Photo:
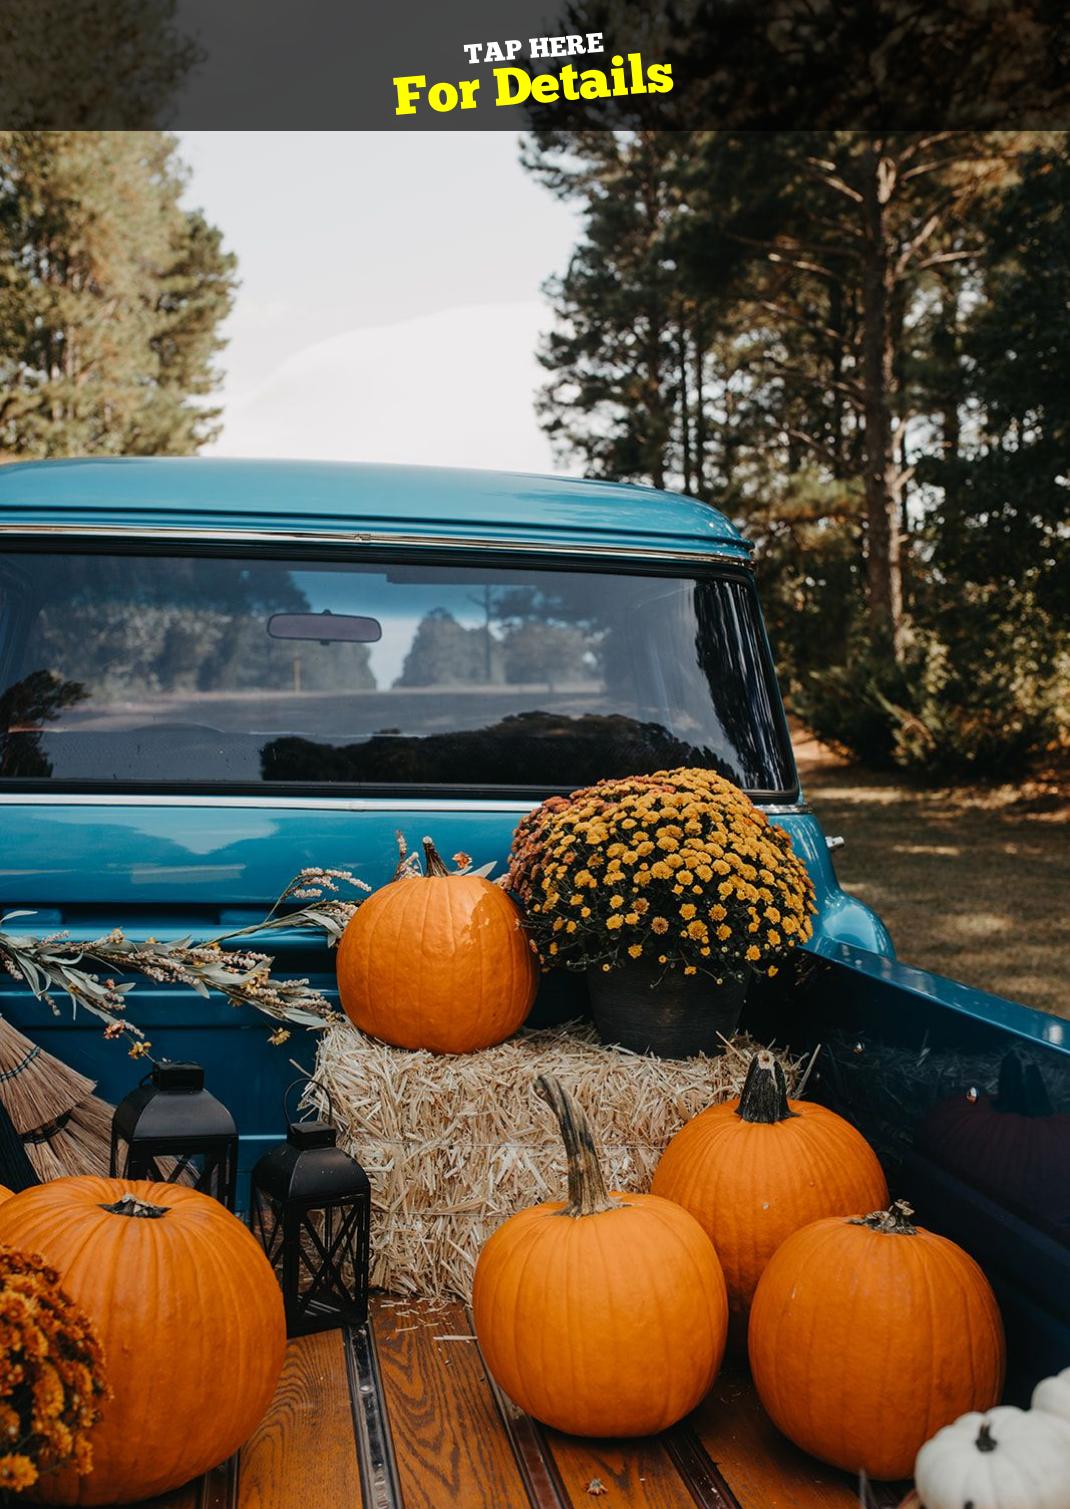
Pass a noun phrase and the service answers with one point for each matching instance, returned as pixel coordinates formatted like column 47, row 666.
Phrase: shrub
column 977, row 696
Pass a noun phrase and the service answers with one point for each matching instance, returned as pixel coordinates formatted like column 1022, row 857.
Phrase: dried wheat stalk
column 56, row 963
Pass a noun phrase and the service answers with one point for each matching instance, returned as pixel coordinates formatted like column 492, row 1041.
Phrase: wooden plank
column 449, row 1439
column 761, row 1467
column 638, row 1473
column 303, row 1454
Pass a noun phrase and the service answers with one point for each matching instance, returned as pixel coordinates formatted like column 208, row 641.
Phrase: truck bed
column 402, row 1413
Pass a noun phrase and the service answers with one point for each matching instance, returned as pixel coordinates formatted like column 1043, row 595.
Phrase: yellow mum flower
column 585, row 911
column 687, row 910
column 659, row 925
column 724, row 932
column 570, row 925
column 753, row 953
column 616, row 902
column 697, row 929
column 614, row 922
column 690, row 969
column 635, row 951
column 717, row 912
column 631, row 918
column 685, row 877
column 667, row 843
column 642, row 906
column 660, row 870
column 774, row 938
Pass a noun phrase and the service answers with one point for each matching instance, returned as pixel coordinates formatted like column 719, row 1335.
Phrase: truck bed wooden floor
column 404, row 1416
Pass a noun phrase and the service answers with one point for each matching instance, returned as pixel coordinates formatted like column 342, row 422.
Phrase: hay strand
column 454, row 1145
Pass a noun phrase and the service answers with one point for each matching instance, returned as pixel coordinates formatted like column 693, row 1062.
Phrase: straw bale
column 454, row 1144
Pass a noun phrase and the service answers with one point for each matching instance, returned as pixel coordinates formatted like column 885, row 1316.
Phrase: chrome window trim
column 377, row 540
column 318, row 803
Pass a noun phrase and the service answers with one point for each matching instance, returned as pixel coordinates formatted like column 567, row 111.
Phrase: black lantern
column 171, row 1129
column 310, row 1209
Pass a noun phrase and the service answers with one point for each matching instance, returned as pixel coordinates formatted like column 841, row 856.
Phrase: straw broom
column 64, row 1127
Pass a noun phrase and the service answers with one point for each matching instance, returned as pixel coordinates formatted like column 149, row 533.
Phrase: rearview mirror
column 325, row 627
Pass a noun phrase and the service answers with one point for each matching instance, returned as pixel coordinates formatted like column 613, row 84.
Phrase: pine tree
column 111, row 297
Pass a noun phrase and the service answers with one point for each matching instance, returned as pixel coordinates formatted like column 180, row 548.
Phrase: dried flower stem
column 56, row 963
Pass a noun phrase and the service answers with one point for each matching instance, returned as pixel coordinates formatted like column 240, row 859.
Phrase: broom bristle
column 37, row 1088
column 79, row 1144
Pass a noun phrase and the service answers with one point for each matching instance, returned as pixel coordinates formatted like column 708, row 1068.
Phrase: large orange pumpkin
column 437, row 961
column 868, row 1335
column 5, row 1193
column 605, row 1315
column 753, row 1170
column 189, row 1315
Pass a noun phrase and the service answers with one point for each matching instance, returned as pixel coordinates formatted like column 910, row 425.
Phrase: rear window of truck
column 208, row 672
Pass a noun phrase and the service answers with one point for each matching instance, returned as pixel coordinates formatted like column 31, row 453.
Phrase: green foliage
column 976, row 697
column 857, row 346
column 52, row 51
column 111, row 298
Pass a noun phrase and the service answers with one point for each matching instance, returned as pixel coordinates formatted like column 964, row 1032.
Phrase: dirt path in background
column 973, row 882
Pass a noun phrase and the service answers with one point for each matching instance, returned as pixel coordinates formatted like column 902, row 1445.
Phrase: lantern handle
column 307, row 1080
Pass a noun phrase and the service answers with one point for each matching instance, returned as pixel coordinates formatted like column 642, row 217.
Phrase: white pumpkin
column 1052, row 1396
column 1006, row 1459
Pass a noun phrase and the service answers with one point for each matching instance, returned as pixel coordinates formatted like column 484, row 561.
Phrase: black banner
column 479, row 65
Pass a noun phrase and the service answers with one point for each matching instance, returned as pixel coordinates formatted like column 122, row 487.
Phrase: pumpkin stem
column 433, row 861
column 764, row 1096
column 895, row 1220
column 985, row 1439
column 130, row 1205
column 587, row 1193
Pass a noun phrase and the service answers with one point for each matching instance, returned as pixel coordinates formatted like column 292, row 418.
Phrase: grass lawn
column 973, row 883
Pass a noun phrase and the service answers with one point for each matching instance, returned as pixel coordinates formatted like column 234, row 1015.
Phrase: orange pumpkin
column 437, row 961
column 605, row 1315
column 5, row 1193
column 868, row 1335
column 753, row 1170
column 189, row 1315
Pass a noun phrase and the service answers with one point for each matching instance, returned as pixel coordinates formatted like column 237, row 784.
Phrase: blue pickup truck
column 216, row 673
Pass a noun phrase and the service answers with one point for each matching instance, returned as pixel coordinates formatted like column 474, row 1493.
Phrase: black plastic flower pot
column 650, row 1009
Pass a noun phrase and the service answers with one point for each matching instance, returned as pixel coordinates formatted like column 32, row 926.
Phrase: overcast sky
column 390, row 304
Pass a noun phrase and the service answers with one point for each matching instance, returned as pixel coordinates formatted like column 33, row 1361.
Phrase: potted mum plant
column 670, row 891
column 51, row 1377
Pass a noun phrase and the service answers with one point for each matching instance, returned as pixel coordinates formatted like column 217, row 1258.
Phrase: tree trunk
column 884, row 579
column 685, row 409
column 700, row 411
